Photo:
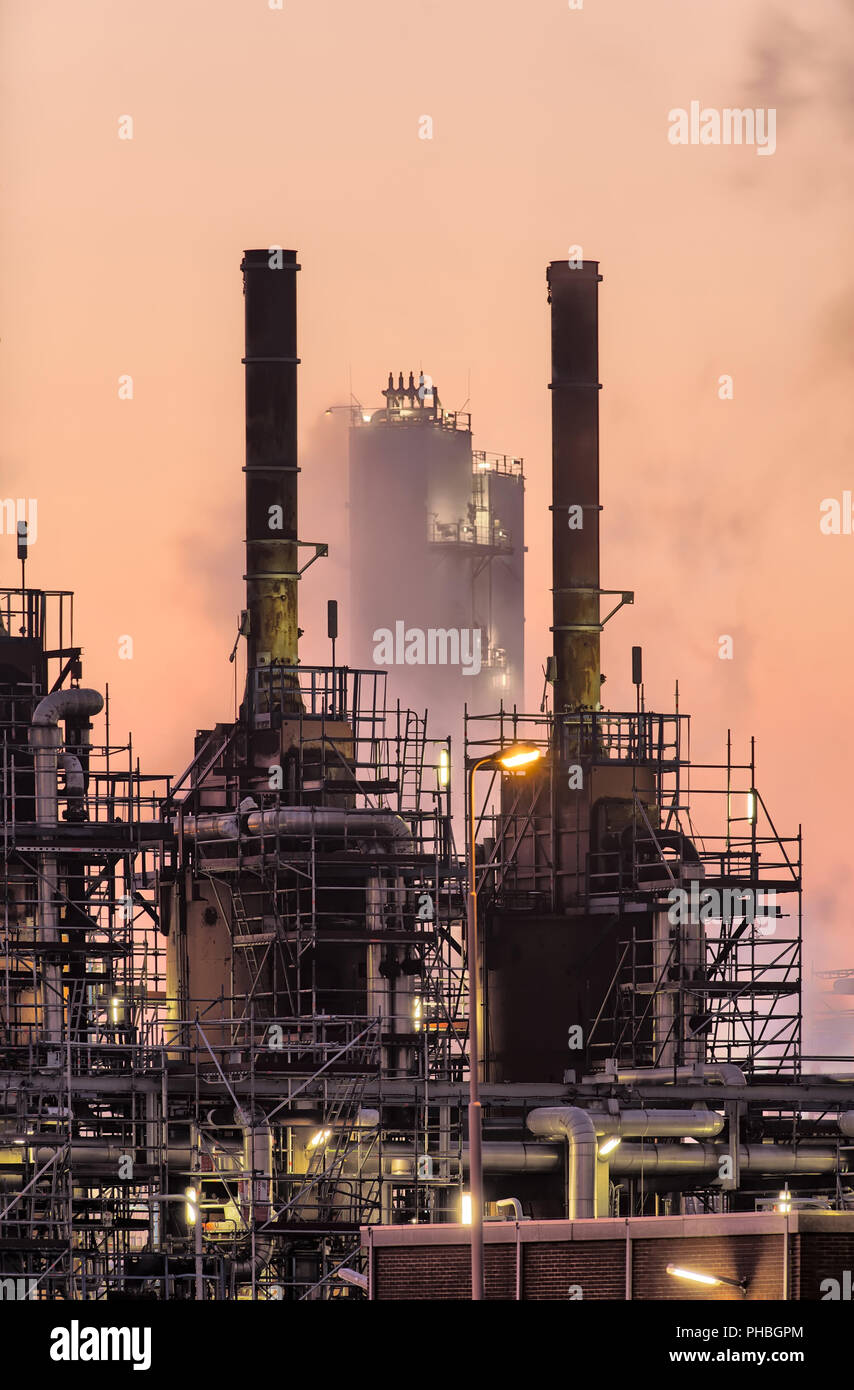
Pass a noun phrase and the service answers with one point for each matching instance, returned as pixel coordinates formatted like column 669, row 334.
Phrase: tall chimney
column 269, row 287
column 574, row 299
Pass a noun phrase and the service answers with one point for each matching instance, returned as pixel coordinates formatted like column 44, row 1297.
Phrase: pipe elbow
column 563, row 1122
column 62, row 703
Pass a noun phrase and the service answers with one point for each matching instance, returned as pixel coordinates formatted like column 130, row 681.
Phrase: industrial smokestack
column 574, row 295
column 269, row 287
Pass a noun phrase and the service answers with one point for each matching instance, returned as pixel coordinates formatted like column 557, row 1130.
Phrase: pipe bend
column 61, row 703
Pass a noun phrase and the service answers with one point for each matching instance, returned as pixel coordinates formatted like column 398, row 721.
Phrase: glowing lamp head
column 519, row 755
column 609, row 1145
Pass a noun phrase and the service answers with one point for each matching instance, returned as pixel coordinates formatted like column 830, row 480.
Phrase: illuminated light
column 416, row 1013
column 115, row 1010
column 784, row 1202
column 192, row 1197
column 694, row 1276
column 609, row 1145
column 751, row 807
column 519, row 756
column 321, row 1137
column 444, row 767
column 366, row 417
column 465, row 1208
column 709, row 1280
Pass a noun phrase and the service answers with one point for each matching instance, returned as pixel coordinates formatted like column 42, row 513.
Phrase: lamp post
column 518, row 755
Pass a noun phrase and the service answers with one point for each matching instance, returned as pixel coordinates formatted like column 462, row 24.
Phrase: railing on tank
column 42, row 615
column 483, row 462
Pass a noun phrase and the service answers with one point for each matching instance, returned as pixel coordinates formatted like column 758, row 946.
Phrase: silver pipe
column 769, row 1160
column 75, row 782
column 575, row 1125
column 548, row 1122
column 298, row 820
column 579, row 1128
column 725, row 1073
column 45, row 740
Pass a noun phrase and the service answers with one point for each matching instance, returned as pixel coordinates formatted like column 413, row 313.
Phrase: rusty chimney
column 269, row 287
column 574, row 297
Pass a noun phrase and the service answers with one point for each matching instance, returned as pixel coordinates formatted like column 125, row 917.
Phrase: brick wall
column 442, row 1271
column 756, row 1258
column 558, row 1258
column 549, row 1268
column 822, row 1255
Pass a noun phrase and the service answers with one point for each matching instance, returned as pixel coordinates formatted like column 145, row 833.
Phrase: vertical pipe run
column 574, row 297
column 269, row 287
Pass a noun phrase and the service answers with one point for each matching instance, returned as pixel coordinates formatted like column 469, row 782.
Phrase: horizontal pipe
column 724, row 1073
column 550, row 1122
column 296, row 821
column 764, row 1160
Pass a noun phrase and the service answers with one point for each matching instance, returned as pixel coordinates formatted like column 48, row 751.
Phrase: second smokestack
column 269, row 287
column 574, row 299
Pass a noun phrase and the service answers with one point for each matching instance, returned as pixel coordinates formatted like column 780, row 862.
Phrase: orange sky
column 299, row 127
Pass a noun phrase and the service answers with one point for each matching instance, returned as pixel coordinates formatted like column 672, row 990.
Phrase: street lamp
column 517, row 755
column 695, row 1276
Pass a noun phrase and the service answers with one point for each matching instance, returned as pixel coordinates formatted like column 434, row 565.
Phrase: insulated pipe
column 548, row 1122
column 255, row 1187
column 298, row 821
column 580, row 1127
column 45, row 740
column 659, row 1124
column 725, row 1073
column 763, row 1160
column 576, row 1126
column 75, row 782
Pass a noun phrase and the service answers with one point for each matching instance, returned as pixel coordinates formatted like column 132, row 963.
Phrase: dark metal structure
column 234, row 1005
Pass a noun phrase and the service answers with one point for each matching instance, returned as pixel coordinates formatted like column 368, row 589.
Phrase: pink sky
column 299, row 127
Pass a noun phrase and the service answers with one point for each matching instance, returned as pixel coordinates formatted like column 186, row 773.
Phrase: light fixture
column 610, row 1144
column 444, row 767
column 784, row 1202
column 695, row 1276
column 416, row 1013
column 115, row 1010
column 465, row 1208
column 320, row 1137
column 519, row 755
column 192, row 1197
column 751, row 806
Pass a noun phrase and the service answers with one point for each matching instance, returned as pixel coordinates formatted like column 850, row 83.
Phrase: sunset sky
column 299, row 126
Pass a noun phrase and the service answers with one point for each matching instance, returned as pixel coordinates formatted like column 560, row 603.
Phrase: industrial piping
column 297, row 821
column 46, row 740
column 580, row 1127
